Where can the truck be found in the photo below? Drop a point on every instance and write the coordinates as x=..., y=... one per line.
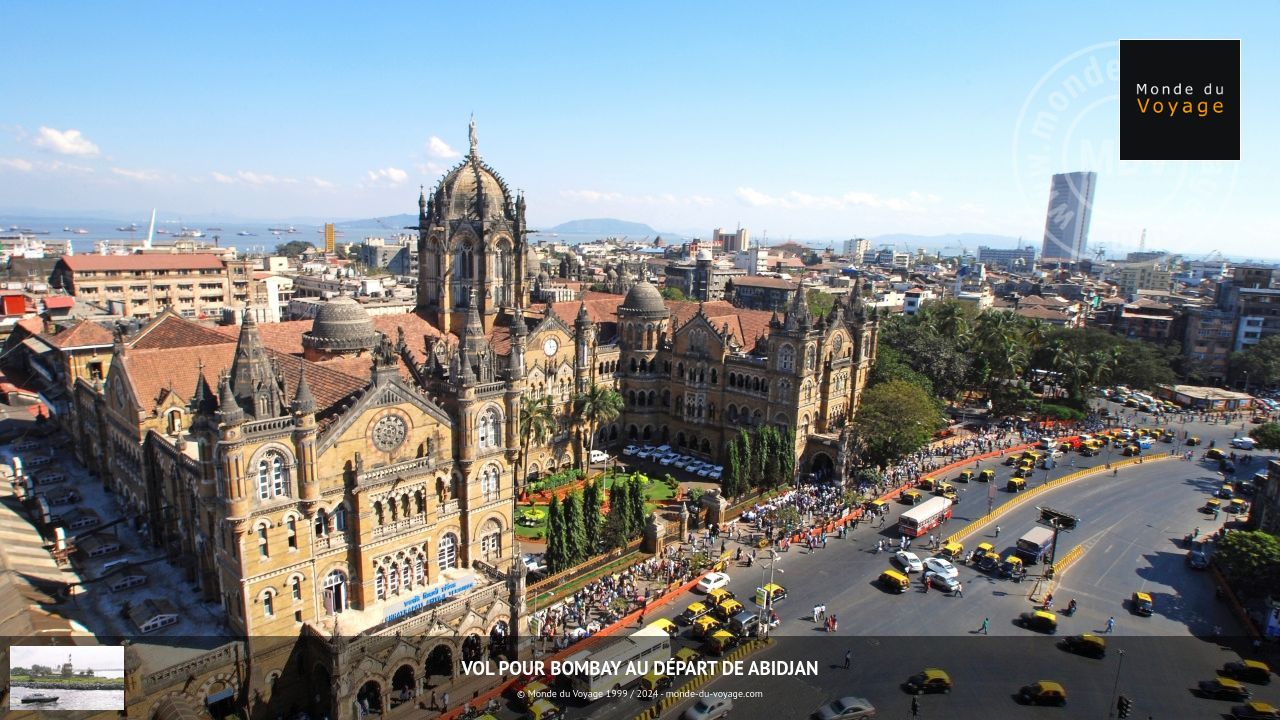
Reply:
x=1035, y=544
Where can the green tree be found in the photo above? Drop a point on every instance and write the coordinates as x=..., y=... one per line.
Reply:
x=673, y=293
x=592, y=520
x=820, y=303
x=1259, y=364
x=598, y=405
x=635, y=508
x=1250, y=561
x=760, y=456
x=1267, y=435
x=746, y=457
x=557, y=558
x=293, y=248
x=894, y=420
x=787, y=457
x=537, y=424
x=773, y=457
x=889, y=365
x=575, y=529
x=617, y=530
x=730, y=479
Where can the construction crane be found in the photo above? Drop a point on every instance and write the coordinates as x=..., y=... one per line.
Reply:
x=1100, y=253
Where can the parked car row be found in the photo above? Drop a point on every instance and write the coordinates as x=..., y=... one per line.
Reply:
x=665, y=456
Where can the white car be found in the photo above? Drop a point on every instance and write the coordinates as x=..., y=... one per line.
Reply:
x=715, y=474
x=1243, y=443
x=941, y=566
x=695, y=466
x=668, y=459
x=909, y=561
x=713, y=581
x=630, y=450
x=706, y=471
x=599, y=456
x=709, y=708
x=846, y=708
x=664, y=449
x=681, y=461
x=644, y=454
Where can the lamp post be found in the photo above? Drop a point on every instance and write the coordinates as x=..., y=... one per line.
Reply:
x=1115, y=688
x=767, y=605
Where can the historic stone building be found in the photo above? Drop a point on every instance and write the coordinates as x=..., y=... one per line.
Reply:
x=344, y=487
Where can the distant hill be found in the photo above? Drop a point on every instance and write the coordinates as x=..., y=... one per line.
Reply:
x=970, y=241
x=602, y=226
x=394, y=221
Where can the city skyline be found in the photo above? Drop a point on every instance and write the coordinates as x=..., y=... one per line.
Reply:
x=837, y=122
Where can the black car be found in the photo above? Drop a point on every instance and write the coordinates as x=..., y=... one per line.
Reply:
x=1224, y=689
x=1197, y=560
x=1039, y=621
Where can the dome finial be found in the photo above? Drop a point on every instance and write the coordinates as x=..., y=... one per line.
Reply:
x=471, y=135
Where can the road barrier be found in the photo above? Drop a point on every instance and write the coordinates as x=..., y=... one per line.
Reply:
x=1025, y=496
x=696, y=682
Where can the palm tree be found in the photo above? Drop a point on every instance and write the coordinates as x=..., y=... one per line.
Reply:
x=597, y=405
x=949, y=319
x=537, y=423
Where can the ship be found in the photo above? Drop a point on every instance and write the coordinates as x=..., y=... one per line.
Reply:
x=80, y=231
x=40, y=698
x=213, y=229
x=131, y=227
x=246, y=233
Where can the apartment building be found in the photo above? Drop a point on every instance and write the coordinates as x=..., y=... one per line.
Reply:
x=143, y=285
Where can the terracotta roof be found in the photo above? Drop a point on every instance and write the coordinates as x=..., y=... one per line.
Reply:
x=601, y=308
x=170, y=330
x=285, y=337
x=1040, y=312
x=59, y=302
x=151, y=261
x=1043, y=301
x=744, y=325
x=33, y=325
x=154, y=371
x=82, y=334
x=762, y=281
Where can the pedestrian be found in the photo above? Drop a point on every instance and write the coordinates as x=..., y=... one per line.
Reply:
x=433, y=700
x=816, y=609
x=444, y=702
x=848, y=657
x=915, y=707
x=959, y=590
x=986, y=626
x=1111, y=624
x=997, y=531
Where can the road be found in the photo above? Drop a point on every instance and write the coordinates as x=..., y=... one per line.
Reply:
x=1131, y=529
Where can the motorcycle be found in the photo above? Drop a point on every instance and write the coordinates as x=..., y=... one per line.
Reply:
x=1071, y=609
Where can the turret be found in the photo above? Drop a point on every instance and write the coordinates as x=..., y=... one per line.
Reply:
x=229, y=412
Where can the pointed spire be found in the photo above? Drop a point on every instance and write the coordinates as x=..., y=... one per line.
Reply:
x=203, y=399
x=798, y=317
x=518, y=327
x=304, y=403
x=474, y=326
x=229, y=411
x=254, y=379
x=422, y=201
x=583, y=318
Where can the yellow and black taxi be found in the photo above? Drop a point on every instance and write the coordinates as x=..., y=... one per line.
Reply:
x=687, y=655
x=876, y=507
x=1044, y=692
x=695, y=611
x=1142, y=604
x=894, y=581
x=1237, y=506
x=666, y=626
x=728, y=609
x=1252, y=671
x=717, y=596
x=1041, y=621
x=987, y=475
x=721, y=642
x=1214, y=454
x=544, y=710
x=1016, y=483
x=703, y=626
x=911, y=497
x=951, y=550
x=1131, y=450
x=1012, y=460
x=1255, y=711
x=1193, y=441
x=1023, y=471
x=929, y=680
x=948, y=491
x=532, y=692
x=1086, y=644
x=1224, y=491
x=653, y=682
x=770, y=594
x=926, y=484
x=1211, y=506
x=1221, y=688
x=989, y=561
x=964, y=476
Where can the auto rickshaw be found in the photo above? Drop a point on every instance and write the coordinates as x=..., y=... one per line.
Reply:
x=666, y=626
x=926, y=484
x=544, y=710
x=1087, y=644
x=1193, y=441
x=1238, y=507
x=964, y=476
x=947, y=491
x=728, y=609
x=952, y=550
x=1212, y=506
x=1015, y=484
x=721, y=641
x=695, y=611
x=1214, y=454
x=1012, y=460
x=894, y=581
x=1012, y=567
x=770, y=594
x=1167, y=436
x=703, y=626
x=531, y=693
x=912, y=497
x=687, y=655
x=653, y=682
x=876, y=507
x=1142, y=604
x=1225, y=491
x=1023, y=472
x=717, y=596
x=1131, y=450
x=987, y=475
x=989, y=562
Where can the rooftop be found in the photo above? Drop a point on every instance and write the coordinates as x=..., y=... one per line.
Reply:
x=170, y=261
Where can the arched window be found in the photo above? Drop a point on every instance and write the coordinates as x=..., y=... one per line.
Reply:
x=419, y=570
x=322, y=523
x=380, y=584
x=447, y=553
x=489, y=483
x=466, y=268
x=491, y=540
x=340, y=518
x=786, y=358
x=810, y=357
x=713, y=376
x=263, y=549
x=291, y=530
x=273, y=481
x=393, y=580
x=489, y=429
x=296, y=586
x=175, y=421
x=269, y=603
x=335, y=591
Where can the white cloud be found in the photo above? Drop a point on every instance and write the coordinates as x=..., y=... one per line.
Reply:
x=431, y=169
x=390, y=175
x=65, y=142
x=796, y=200
x=438, y=148
x=259, y=179
x=136, y=174
x=322, y=184
x=224, y=179
x=16, y=164
x=617, y=198
x=590, y=196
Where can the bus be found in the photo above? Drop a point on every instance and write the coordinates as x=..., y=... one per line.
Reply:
x=924, y=517
x=648, y=644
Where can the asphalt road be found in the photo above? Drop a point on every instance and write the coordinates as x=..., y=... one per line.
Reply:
x=1131, y=529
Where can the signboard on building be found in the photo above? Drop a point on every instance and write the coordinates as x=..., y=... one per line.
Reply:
x=431, y=596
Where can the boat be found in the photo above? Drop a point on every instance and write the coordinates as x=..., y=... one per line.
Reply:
x=161, y=231
x=277, y=230
x=80, y=231
x=213, y=229
x=40, y=698
x=246, y=233
x=131, y=227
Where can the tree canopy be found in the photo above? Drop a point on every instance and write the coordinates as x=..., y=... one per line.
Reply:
x=293, y=248
x=1259, y=364
x=895, y=419
x=1250, y=561
x=1267, y=436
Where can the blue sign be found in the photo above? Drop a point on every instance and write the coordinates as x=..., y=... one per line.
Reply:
x=426, y=599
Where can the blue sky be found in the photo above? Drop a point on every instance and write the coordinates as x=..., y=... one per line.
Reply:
x=805, y=121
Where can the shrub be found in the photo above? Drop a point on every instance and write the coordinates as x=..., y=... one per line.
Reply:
x=1054, y=411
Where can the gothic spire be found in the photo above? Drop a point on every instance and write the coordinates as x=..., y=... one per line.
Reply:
x=229, y=411
x=254, y=380
x=304, y=403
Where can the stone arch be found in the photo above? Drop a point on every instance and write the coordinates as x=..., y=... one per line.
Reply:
x=404, y=679
x=439, y=661
x=369, y=696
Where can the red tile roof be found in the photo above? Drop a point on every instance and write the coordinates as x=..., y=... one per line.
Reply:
x=149, y=261
x=170, y=330
x=59, y=302
x=744, y=325
x=82, y=334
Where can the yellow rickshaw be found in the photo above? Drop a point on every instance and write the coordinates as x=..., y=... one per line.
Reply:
x=703, y=626
x=926, y=484
x=653, y=682
x=531, y=693
x=728, y=609
x=1142, y=604
x=1012, y=460
x=695, y=611
x=912, y=497
x=946, y=490
x=1016, y=484
x=1132, y=450
x=721, y=641
x=717, y=596
x=894, y=581
x=1023, y=472
x=1012, y=566
x=544, y=710
x=666, y=626
x=687, y=655
x=1193, y=441
x=770, y=594
x=952, y=550
x=987, y=475
x=1212, y=506
x=1238, y=506
x=876, y=507
x=989, y=562
x=964, y=476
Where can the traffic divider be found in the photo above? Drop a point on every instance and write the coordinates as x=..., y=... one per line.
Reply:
x=698, y=681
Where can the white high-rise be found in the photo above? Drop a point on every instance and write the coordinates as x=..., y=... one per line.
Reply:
x=1066, y=225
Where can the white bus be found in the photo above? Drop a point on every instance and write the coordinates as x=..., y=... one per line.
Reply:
x=648, y=644
x=924, y=517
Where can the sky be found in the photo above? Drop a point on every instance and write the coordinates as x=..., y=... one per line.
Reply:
x=807, y=121
x=103, y=657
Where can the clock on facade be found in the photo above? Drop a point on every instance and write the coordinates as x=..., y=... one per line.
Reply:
x=389, y=432
x=550, y=346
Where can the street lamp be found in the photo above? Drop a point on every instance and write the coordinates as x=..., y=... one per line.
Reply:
x=767, y=605
x=1116, y=687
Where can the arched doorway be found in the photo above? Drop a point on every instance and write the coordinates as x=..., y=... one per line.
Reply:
x=498, y=640
x=822, y=467
x=439, y=662
x=472, y=648
x=403, y=685
x=219, y=700
x=335, y=592
x=369, y=698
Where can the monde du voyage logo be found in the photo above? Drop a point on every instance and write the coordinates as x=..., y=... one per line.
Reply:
x=1179, y=99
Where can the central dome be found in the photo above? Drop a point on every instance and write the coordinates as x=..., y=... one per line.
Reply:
x=460, y=187
x=644, y=297
x=341, y=326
